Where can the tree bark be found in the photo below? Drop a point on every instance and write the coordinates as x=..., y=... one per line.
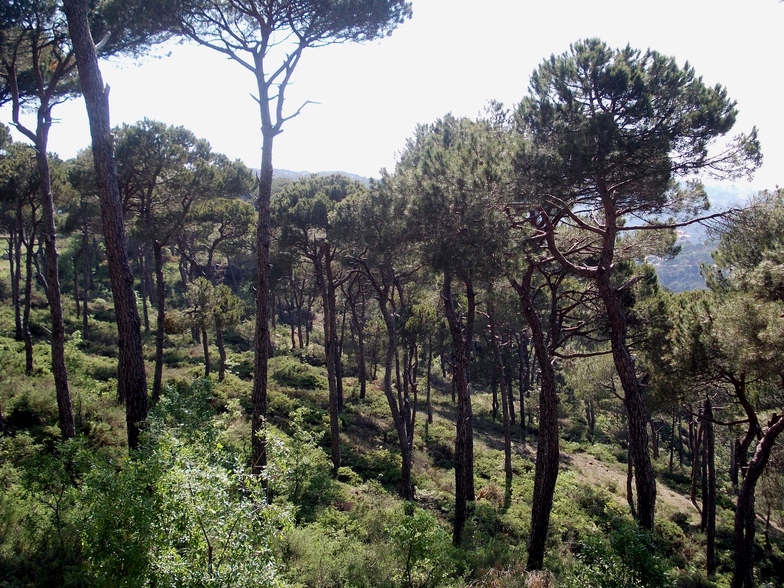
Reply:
x=28, y=290
x=52, y=286
x=261, y=340
x=645, y=479
x=745, y=515
x=709, y=498
x=132, y=378
x=206, y=348
x=320, y=264
x=547, y=449
x=160, y=322
x=461, y=332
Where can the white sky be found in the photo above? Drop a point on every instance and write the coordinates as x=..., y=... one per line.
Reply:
x=453, y=56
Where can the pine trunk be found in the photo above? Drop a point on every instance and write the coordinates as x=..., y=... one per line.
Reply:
x=709, y=500
x=132, y=378
x=645, y=479
x=460, y=332
x=52, y=278
x=745, y=515
x=161, y=321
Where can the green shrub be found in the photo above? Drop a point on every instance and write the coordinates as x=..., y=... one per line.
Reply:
x=298, y=469
x=319, y=559
x=180, y=514
x=627, y=560
x=291, y=373
x=423, y=549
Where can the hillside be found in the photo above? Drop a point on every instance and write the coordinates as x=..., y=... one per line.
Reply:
x=348, y=530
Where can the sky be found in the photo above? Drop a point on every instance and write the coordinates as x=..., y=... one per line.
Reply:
x=452, y=56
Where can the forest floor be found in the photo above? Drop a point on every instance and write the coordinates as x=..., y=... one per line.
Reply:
x=612, y=476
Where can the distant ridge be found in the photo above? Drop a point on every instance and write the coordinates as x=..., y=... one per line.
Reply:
x=287, y=174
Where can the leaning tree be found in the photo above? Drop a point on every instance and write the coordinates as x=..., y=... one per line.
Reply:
x=610, y=133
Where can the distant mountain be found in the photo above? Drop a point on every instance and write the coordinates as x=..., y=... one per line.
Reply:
x=683, y=272
x=290, y=175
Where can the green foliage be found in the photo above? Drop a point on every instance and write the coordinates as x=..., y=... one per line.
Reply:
x=298, y=469
x=182, y=512
x=320, y=559
x=424, y=549
x=289, y=372
x=627, y=560
x=40, y=511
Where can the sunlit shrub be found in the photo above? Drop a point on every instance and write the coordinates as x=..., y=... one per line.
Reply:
x=182, y=513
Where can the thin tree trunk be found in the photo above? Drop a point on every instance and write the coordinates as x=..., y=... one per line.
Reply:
x=86, y=265
x=52, y=286
x=26, y=336
x=672, y=443
x=499, y=364
x=320, y=265
x=206, y=348
x=358, y=321
x=547, y=449
x=221, y=350
x=464, y=431
x=132, y=379
x=77, y=302
x=654, y=439
x=709, y=499
x=429, y=375
x=16, y=274
x=161, y=321
x=143, y=290
x=525, y=363
x=630, y=483
x=696, y=438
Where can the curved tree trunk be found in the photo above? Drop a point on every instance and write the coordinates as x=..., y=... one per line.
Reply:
x=645, y=479
x=745, y=515
x=398, y=406
x=132, y=378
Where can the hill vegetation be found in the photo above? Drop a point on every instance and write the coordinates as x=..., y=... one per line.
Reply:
x=460, y=374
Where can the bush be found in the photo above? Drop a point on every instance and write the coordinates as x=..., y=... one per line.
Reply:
x=298, y=469
x=628, y=560
x=423, y=550
x=291, y=373
x=181, y=513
